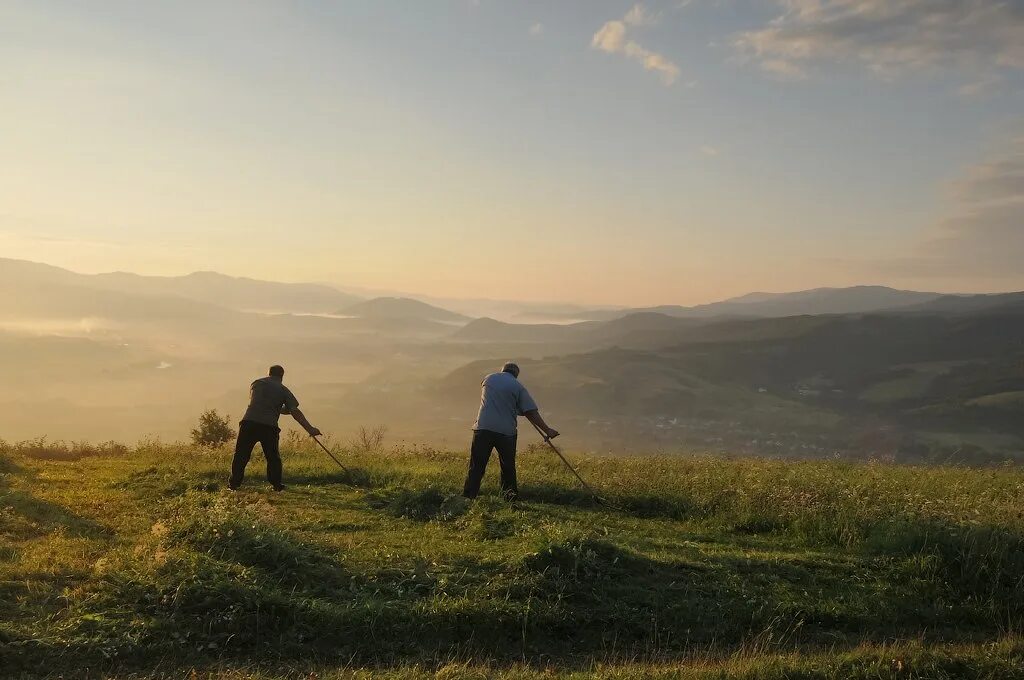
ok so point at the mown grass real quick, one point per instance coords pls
(135, 562)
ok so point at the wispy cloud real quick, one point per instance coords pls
(783, 69)
(986, 226)
(983, 85)
(983, 232)
(536, 30)
(890, 37)
(612, 38)
(710, 151)
(640, 16)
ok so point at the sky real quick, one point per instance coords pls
(675, 151)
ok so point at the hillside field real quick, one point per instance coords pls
(136, 562)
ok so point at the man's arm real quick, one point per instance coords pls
(535, 418)
(301, 419)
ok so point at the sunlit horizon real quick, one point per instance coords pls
(430, 294)
(612, 153)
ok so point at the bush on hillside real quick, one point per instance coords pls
(214, 430)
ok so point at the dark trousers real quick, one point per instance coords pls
(268, 436)
(483, 442)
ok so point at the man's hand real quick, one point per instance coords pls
(300, 418)
(538, 422)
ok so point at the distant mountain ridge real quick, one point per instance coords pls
(947, 375)
(744, 369)
(213, 289)
(645, 329)
(209, 288)
(241, 293)
(852, 300)
(38, 291)
(967, 304)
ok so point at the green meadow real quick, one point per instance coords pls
(136, 561)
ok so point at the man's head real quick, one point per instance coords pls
(277, 372)
(511, 367)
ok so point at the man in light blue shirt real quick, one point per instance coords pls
(502, 400)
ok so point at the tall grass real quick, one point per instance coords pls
(135, 558)
(42, 448)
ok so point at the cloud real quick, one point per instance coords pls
(612, 38)
(783, 69)
(986, 227)
(891, 37)
(982, 235)
(710, 151)
(537, 30)
(982, 85)
(640, 16)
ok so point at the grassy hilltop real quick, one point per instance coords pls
(136, 562)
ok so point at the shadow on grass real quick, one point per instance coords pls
(356, 477)
(156, 481)
(8, 466)
(634, 505)
(424, 504)
(38, 517)
(982, 562)
(29, 516)
(162, 481)
(239, 591)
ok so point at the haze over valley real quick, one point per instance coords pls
(855, 372)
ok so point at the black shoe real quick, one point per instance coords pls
(280, 487)
(232, 487)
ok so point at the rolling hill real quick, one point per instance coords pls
(207, 288)
(401, 308)
(641, 329)
(52, 306)
(852, 300)
(967, 304)
(41, 298)
(239, 293)
(828, 381)
(487, 330)
(946, 371)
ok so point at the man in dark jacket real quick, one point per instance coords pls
(268, 400)
(502, 399)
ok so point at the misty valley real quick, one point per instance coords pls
(860, 373)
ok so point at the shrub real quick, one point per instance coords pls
(369, 439)
(214, 430)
